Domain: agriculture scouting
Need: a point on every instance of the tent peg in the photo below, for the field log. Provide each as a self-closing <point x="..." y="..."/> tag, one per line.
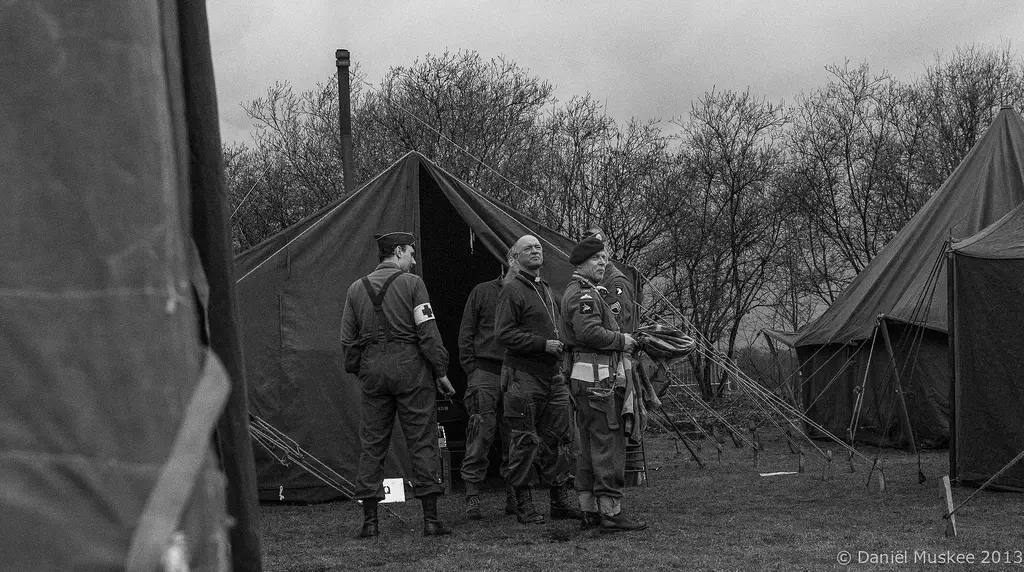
<point x="948" y="514"/>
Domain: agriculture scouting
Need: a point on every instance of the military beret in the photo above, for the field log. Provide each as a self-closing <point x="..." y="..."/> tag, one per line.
<point x="393" y="239"/>
<point x="584" y="249"/>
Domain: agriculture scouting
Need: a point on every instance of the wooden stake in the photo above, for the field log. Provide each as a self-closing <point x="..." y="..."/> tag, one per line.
<point x="950" y="518"/>
<point x="853" y="468"/>
<point x="827" y="469"/>
<point x="800" y="468"/>
<point x="753" y="435"/>
<point x="793" y="447"/>
<point x="754" y="440"/>
<point x="716" y="434"/>
<point x="736" y="439"/>
<point x="881" y="480"/>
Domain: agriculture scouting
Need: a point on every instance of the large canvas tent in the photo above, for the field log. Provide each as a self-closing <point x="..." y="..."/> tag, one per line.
<point x="986" y="312"/>
<point x="905" y="282"/>
<point x="116" y="346"/>
<point x="291" y="293"/>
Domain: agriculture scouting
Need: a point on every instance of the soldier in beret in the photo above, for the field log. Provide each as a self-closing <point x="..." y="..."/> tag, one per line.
<point x="392" y="343"/>
<point x="596" y="347"/>
<point x="622" y="296"/>
<point x="624" y="299"/>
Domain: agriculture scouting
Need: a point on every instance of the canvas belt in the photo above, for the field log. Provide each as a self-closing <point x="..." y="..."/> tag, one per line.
<point x="593" y="366"/>
<point x="381" y="324"/>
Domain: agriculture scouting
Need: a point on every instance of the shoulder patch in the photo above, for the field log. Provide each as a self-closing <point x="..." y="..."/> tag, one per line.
<point x="616" y="308"/>
<point x="586" y="297"/>
<point x="422" y="313"/>
<point x="586" y="307"/>
<point x="618" y="290"/>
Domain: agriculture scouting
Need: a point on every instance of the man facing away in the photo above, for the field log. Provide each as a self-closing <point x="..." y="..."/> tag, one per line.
<point x="592" y="336"/>
<point x="481" y="358"/>
<point x="392" y="342"/>
<point x="537" y="410"/>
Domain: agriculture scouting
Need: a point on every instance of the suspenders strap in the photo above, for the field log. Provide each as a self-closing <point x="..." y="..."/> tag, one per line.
<point x="383" y="326"/>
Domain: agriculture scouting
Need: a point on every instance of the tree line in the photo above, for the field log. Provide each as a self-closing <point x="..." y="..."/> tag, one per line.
<point x="746" y="206"/>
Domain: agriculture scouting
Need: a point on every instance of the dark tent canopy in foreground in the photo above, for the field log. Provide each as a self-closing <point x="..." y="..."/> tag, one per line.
<point x="987" y="312"/>
<point x="111" y="395"/>
<point x="906" y="282"/>
<point x="291" y="292"/>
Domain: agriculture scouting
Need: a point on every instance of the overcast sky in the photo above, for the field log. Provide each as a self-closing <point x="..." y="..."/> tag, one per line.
<point x="642" y="58"/>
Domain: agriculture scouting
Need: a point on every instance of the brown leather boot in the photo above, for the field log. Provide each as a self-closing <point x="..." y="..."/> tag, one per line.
<point x="432" y="525"/>
<point x="371" y="524"/>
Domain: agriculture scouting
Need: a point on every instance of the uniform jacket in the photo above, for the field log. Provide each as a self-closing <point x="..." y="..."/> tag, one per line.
<point x="406" y="306"/>
<point x="622" y="299"/>
<point x="478" y="347"/>
<point x="590" y="331"/>
<point x="524" y="320"/>
<point x="588" y="323"/>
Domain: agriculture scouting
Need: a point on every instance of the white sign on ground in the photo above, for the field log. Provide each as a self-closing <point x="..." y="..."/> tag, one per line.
<point x="394" y="490"/>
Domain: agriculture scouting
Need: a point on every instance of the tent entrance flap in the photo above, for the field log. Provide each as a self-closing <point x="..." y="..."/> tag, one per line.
<point x="452" y="262"/>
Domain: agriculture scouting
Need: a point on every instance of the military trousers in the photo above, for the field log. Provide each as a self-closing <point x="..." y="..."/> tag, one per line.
<point x="601" y="468"/>
<point x="537" y="418"/>
<point x="483" y="403"/>
<point x="397" y="382"/>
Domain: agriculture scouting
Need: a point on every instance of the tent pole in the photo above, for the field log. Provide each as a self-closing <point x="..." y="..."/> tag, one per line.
<point x="851" y="431"/>
<point x="950" y="321"/>
<point x="904" y="414"/>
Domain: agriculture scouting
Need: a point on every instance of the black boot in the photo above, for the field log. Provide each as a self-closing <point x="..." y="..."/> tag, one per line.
<point x="590" y="519"/>
<point x="432" y="526"/>
<point x="619" y="523"/>
<point x="371" y="524"/>
<point x="563" y="503"/>
<point x="473" y="507"/>
<point x="510" y="500"/>
<point x="526" y="513"/>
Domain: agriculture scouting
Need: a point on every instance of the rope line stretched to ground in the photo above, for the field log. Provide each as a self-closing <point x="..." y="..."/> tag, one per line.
<point x="743" y="379"/>
<point x="272" y="439"/>
<point x="1005" y="468"/>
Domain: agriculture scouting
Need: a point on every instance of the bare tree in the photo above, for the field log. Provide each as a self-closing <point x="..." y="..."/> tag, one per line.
<point x="849" y="185"/>
<point x="294" y="167"/>
<point x="468" y="114"/>
<point x="960" y="95"/>
<point x="728" y="223"/>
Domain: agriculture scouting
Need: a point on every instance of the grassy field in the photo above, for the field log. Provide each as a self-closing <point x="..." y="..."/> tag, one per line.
<point x="723" y="517"/>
